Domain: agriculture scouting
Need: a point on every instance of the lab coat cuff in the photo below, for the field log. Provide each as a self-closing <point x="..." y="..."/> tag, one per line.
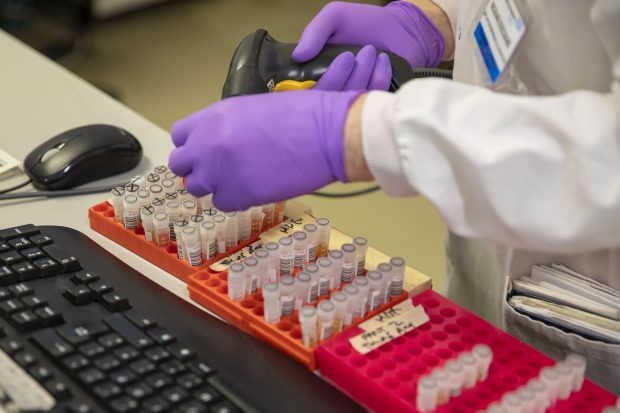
<point x="380" y="145"/>
<point x="449" y="7"/>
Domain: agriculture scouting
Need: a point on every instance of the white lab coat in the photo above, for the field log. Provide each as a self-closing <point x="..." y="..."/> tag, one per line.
<point x="518" y="179"/>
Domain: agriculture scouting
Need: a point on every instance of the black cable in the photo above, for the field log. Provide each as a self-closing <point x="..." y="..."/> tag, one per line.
<point x="344" y="194"/>
<point x="54" y="194"/>
<point x="13" y="188"/>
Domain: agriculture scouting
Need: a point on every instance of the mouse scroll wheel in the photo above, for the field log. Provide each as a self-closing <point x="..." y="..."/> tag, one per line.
<point x="51" y="152"/>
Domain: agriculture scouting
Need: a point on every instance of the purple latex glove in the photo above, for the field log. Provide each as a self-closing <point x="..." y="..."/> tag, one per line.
<point x="258" y="149"/>
<point x="400" y="27"/>
<point x="366" y="71"/>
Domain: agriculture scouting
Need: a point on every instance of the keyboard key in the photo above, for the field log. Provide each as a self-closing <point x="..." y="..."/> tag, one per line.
<point x="7" y="275"/>
<point x="161" y="336"/>
<point x="111" y="340"/>
<point x="100" y="287"/>
<point x="115" y="302"/>
<point x="10" y="346"/>
<point x="5" y="294"/>
<point x="107" y="362"/>
<point x="22" y="230"/>
<point x="48" y="316"/>
<point x="74" y="334"/>
<point x="4" y="246"/>
<point x="157" y="354"/>
<point x="11" y="257"/>
<point x="106" y="390"/>
<point x="66" y="260"/>
<point x="123" y="376"/>
<point x="155" y="405"/>
<point x="26" y="321"/>
<point x="224" y="406"/>
<point x="189" y="381"/>
<point x="51" y="343"/>
<point x="192" y="407"/>
<point x="79" y="294"/>
<point x="207" y="394"/>
<point x="33" y="253"/>
<point x="201" y="368"/>
<point x="128" y="331"/>
<point x="140" y="319"/>
<point x="181" y="352"/>
<point x="91" y="376"/>
<point x="25" y="271"/>
<point x="173" y="367"/>
<point x="25" y="359"/>
<point x="21" y="290"/>
<point x="32" y="301"/>
<point x="84" y="277"/>
<point x="47" y="267"/>
<point x="79" y="407"/>
<point x="174" y="394"/>
<point x="57" y="389"/>
<point x="20" y="243"/>
<point x="126" y="353"/>
<point x="139" y="390"/>
<point x="91" y="349"/>
<point x="40" y="373"/>
<point x="159" y="380"/>
<point x="41" y="240"/>
<point x="75" y="362"/>
<point x="142" y="366"/>
<point x="123" y="404"/>
<point x="10" y="306"/>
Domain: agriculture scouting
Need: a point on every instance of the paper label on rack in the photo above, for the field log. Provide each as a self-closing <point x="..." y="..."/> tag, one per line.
<point x="389" y="330"/>
<point x="391" y="313"/>
<point x="7" y="162"/>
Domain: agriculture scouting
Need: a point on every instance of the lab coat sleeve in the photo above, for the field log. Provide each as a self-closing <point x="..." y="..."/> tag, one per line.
<point x="538" y="173"/>
<point x="449" y="7"/>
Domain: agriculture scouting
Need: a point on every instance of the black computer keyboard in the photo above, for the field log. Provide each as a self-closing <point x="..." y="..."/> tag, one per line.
<point x="80" y="331"/>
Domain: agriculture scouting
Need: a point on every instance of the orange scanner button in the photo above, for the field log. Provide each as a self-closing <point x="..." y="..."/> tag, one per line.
<point x="286" y="85"/>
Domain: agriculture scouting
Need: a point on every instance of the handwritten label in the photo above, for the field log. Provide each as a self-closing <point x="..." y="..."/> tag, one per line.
<point x="388" y="330"/>
<point x="391" y="313"/>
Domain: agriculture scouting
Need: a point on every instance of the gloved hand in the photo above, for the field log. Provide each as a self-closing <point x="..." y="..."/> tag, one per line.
<point x="366" y="71"/>
<point x="400" y="27"/>
<point x="257" y="149"/>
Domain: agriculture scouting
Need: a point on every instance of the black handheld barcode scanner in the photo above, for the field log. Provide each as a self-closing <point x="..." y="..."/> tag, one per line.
<point x="262" y="64"/>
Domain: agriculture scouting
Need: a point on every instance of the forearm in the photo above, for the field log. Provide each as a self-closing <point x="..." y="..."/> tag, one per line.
<point x="441" y="20"/>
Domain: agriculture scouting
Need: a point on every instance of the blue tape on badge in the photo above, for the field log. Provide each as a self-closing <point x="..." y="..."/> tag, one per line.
<point x="487" y="53"/>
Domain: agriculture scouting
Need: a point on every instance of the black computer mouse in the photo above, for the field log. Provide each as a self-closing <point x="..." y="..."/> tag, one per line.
<point x="82" y="155"/>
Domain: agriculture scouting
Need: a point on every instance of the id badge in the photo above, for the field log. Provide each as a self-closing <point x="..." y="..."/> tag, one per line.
<point x="498" y="33"/>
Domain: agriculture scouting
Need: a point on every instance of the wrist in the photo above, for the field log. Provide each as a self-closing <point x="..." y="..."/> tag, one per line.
<point x="439" y="17"/>
<point x="355" y="164"/>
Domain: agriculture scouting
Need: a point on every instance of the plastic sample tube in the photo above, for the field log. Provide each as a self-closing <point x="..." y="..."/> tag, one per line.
<point x="325" y="312"/>
<point x="354" y="296"/>
<point x="313" y="270"/>
<point x="156" y="190"/>
<point x="271" y="300"/>
<point x="268" y="211"/>
<point x="428" y="390"/>
<point x="529" y="399"/>
<point x="146" y="216"/>
<point x="578" y="364"/>
<point x="196" y="221"/>
<point x="443" y="382"/>
<point x="278" y="211"/>
<point x="262" y="270"/>
<point x="274" y="261"/>
<point x="299" y="249"/>
<point x="325" y="275"/>
<point x="302" y="289"/>
<point x="324" y="230"/>
<point x="340" y="301"/>
<point x="184" y="195"/>
<point x="337" y="258"/>
<point x="565" y="381"/>
<point x="251" y="278"/>
<point x="210" y="212"/>
<point x="174" y="178"/>
<point x="232" y="229"/>
<point x="191" y="246"/>
<point x="484" y="355"/>
<point x="159" y="204"/>
<point x="364" y="286"/>
<point x="308" y="320"/>
<point x="173" y="209"/>
<point x="470" y="366"/>
<point x="168" y="185"/>
<point x="144" y="197"/>
<point x="138" y="180"/>
<point x="205" y="202"/>
<point x="220" y="232"/>
<point x="375" y="292"/>
<point x="286" y="256"/>
<point x="513" y="403"/>
<point x="311" y="231"/>
<point x="496" y="407"/>
<point x="178" y="226"/>
<point x="256" y="218"/>
<point x="244" y="222"/>
<point x="386" y="270"/>
<point x="361" y="248"/>
<point x="160" y="169"/>
<point x="539" y="389"/>
<point x="348" y="264"/>
<point x="208" y="241"/>
<point x="287" y="295"/>
<point x="152" y="177"/>
<point x="398" y="276"/>
<point x="610" y="410"/>
<point x="118" y="195"/>
<point x="551" y="378"/>
<point x="131" y="188"/>
<point x="171" y="196"/>
<point x="161" y="224"/>
<point x="456" y="376"/>
<point x="188" y="208"/>
<point x="236" y="282"/>
<point x="131" y="211"/>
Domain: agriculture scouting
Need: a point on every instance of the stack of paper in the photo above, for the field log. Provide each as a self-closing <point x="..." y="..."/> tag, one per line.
<point x="572" y="301"/>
